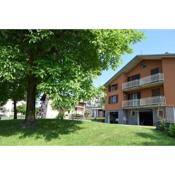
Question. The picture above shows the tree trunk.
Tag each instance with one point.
(61, 113)
(15, 109)
(31, 95)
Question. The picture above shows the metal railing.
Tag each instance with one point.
(143, 81)
(159, 100)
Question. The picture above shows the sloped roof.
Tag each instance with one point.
(135, 61)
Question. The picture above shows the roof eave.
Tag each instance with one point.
(136, 60)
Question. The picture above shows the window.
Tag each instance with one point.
(156, 92)
(133, 96)
(112, 88)
(155, 71)
(113, 99)
(134, 77)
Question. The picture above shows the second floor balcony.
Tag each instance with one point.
(143, 82)
(144, 102)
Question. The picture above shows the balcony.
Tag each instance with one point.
(148, 81)
(144, 102)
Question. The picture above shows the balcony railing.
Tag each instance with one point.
(143, 81)
(149, 101)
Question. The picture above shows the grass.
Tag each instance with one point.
(67, 132)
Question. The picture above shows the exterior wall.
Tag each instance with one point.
(51, 113)
(147, 92)
(168, 65)
(170, 114)
(80, 109)
(150, 64)
(155, 116)
(132, 117)
(121, 116)
(100, 113)
(107, 117)
(118, 92)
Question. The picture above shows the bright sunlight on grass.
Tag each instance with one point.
(67, 132)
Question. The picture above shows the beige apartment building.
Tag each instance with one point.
(143, 91)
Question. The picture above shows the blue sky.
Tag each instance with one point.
(155, 42)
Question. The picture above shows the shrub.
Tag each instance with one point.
(168, 128)
(171, 130)
(21, 109)
(162, 125)
(167, 125)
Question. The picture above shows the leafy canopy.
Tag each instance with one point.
(64, 62)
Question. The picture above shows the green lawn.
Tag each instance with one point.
(66, 132)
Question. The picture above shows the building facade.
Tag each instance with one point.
(95, 107)
(143, 91)
(80, 109)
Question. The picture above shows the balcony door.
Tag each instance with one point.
(134, 96)
(134, 77)
(155, 71)
(155, 75)
(134, 99)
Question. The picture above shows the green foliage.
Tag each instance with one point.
(11, 62)
(63, 62)
(167, 128)
(60, 116)
(112, 44)
(3, 93)
(22, 108)
(162, 125)
(12, 89)
(171, 130)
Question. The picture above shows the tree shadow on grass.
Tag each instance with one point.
(156, 138)
(47, 128)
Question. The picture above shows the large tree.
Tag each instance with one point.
(61, 62)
